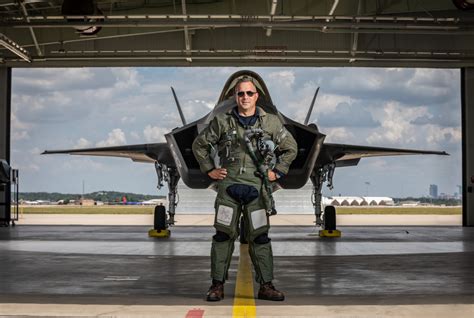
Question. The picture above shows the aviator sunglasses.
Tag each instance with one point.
(249, 93)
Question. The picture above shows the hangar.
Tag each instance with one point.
(364, 33)
(212, 33)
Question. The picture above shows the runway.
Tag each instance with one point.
(117, 271)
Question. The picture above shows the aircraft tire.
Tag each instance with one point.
(159, 222)
(330, 218)
(242, 238)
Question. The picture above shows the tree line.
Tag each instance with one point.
(104, 196)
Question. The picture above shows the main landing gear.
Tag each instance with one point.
(327, 219)
(162, 221)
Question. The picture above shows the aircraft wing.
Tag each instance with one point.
(140, 153)
(350, 155)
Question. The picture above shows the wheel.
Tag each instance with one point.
(242, 238)
(330, 218)
(160, 218)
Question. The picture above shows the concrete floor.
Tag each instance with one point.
(117, 271)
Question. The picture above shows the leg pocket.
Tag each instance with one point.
(227, 216)
(224, 215)
(258, 218)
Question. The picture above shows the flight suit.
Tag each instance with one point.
(225, 134)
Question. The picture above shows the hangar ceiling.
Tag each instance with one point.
(44, 33)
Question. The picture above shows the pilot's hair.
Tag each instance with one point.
(244, 79)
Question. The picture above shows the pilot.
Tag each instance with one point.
(245, 150)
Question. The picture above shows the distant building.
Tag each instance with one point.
(433, 191)
(87, 202)
(409, 203)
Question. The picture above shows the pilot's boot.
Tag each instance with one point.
(216, 291)
(268, 292)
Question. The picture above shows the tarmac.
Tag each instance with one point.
(115, 270)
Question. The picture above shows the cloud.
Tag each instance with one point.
(396, 128)
(116, 138)
(339, 134)
(155, 134)
(348, 115)
(447, 135)
(40, 81)
(20, 135)
(127, 119)
(135, 135)
(126, 77)
(284, 78)
(82, 143)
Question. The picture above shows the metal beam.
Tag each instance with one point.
(272, 13)
(14, 48)
(405, 23)
(5, 117)
(32, 32)
(187, 40)
(467, 98)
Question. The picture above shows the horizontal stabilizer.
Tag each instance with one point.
(141, 153)
(341, 152)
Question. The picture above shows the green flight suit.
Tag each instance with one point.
(226, 134)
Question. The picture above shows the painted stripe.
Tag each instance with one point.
(195, 313)
(244, 299)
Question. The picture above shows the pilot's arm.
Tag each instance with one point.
(201, 145)
(287, 150)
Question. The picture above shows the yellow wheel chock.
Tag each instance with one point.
(329, 233)
(159, 233)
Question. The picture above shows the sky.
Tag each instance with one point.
(97, 107)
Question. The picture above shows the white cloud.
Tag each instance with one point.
(82, 164)
(395, 125)
(283, 78)
(20, 135)
(116, 138)
(127, 119)
(82, 143)
(35, 151)
(126, 77)
(16, 124)
(154, 134)
(135, 135)
(436, 135)
(339, 134)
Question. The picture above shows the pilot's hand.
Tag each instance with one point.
(217, 174)
(272, 175)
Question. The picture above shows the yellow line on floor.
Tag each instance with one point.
(244, 300)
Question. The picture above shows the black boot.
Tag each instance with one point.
(268, 292)
(216, 291)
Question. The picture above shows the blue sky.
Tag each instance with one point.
(89, 107)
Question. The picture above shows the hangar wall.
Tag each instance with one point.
(467, 95)
(5, 111)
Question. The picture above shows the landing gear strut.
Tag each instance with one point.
(161, 221)
(326, 220)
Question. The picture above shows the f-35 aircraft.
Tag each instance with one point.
(174, 159)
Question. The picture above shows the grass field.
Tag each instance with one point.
(114, 209)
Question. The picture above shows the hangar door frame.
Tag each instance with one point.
(467, 105)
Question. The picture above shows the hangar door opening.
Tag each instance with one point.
(384, 107)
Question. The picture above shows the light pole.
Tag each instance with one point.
(367, 184)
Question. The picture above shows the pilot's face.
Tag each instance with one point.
(247, 104)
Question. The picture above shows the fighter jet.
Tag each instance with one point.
(174, 159)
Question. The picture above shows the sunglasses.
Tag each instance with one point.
(249, 93)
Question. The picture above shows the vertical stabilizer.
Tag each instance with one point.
(310, 110)
(179, 107)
